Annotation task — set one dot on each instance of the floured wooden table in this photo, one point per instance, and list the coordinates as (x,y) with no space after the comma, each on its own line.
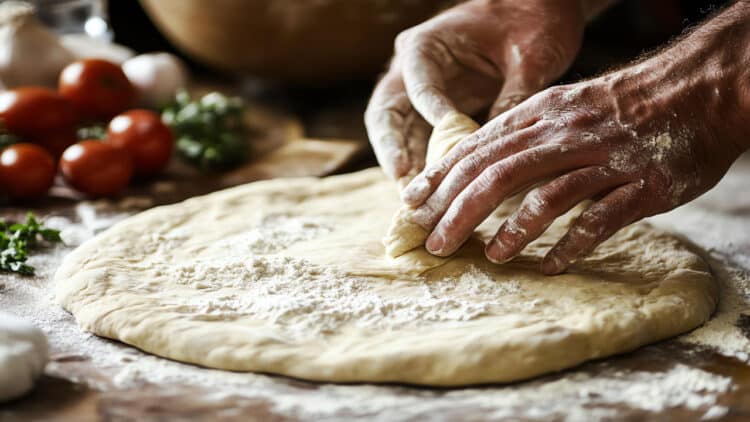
(704,374)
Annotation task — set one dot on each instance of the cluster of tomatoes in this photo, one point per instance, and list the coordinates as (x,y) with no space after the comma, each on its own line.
(137,143)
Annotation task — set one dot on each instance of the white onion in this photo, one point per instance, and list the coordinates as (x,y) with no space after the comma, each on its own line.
(157,77)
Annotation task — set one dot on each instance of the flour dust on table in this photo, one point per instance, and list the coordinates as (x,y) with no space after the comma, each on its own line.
(290,277)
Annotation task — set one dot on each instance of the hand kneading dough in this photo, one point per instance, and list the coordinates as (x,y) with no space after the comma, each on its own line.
(290,277)
(403,235)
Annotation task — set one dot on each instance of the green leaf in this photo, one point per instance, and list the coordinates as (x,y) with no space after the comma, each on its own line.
(210,131)
(95,131)
(18,239)
(6,139)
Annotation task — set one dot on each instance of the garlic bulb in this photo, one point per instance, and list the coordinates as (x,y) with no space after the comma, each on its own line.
(157,77)
(29,53)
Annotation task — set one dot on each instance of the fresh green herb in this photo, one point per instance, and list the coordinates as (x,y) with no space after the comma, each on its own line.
(16,240)
(6,140)
(210,132)
(95,131)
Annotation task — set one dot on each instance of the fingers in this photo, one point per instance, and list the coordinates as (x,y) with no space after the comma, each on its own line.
(424,67)
(494,185)
(467,170)
(397,133)
(543,205)
(423,186)
(602,219)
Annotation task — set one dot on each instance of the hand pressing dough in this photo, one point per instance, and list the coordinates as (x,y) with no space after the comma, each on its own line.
(404,235)
(290,277)
(23,355)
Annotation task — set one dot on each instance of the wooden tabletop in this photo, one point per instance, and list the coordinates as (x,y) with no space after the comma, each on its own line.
(78,387)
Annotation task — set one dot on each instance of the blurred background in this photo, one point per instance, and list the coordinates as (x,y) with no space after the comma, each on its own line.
(313,54)
(319,59)
(313,43)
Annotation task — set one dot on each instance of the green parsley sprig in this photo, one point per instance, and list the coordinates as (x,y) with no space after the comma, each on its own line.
(92,131)
(210,131)
(18,239)
(6,140)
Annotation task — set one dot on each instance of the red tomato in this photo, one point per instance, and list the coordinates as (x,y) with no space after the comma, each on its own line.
(98,88)
(26,171)
(145,137)
(31,111)
(96,168)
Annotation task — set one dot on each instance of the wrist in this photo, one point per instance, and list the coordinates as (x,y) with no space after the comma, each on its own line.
(705,77)
(724,43)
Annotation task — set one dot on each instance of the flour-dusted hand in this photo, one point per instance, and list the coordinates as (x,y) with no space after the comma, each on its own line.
(638,141)
(483,54)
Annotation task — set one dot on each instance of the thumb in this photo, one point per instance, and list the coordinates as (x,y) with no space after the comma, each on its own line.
(424,69)
(515,91)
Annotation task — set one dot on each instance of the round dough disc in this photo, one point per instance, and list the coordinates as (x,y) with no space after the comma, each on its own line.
(290,277)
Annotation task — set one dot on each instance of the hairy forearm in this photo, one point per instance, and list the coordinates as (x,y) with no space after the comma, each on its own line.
(709,68)
(723,45)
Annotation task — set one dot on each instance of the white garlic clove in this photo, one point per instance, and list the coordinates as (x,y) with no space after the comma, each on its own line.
(29,53)
(157,77)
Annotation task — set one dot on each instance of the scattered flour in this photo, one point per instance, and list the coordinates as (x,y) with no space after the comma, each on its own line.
(308,301)
(96,216)
(660,144)
(597,391)
(276,232)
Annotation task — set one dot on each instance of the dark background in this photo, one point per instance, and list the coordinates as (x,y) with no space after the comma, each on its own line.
(625,31)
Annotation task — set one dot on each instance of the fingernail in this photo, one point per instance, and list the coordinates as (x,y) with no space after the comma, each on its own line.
(552,265)
(435,243)
(415,191)
(496,254)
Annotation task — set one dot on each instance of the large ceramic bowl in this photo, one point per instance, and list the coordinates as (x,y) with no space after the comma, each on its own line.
(299,41)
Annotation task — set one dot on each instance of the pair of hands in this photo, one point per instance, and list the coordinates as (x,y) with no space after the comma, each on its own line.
(639,141)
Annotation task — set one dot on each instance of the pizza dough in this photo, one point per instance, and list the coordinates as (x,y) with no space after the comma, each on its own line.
(404,235)
(23,355)
(290,277)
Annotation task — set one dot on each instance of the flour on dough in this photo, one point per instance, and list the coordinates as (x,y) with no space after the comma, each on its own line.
(23,355)
(404,235)
(290,276)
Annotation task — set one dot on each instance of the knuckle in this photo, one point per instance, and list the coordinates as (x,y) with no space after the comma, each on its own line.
(592,224)
(423,90)
(434,174)
(493,176)
(415,39)
(468,166)
(403,39)
(425,215)
(431,47)
(383,117)
(582,234)
(537,201)
(452,221)
(515,229)
(556,92)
